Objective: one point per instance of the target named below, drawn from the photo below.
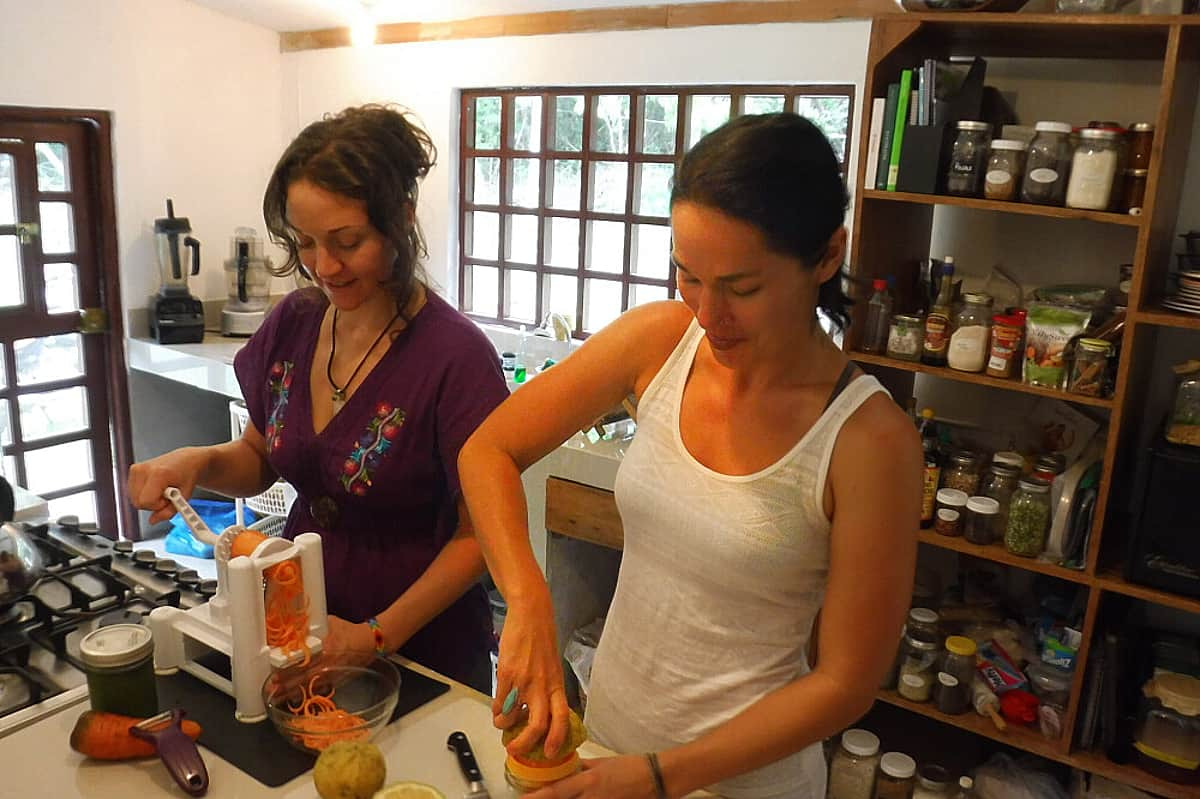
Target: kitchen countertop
(414, 747)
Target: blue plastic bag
(217, 514)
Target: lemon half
(408, 790)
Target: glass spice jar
(962, 473)
(1048, 164)
(981, 519)
(1089, 366)
(1049, 466)
(1028, 518)
(1133, 191)
(1005, 167)
(968, 349)
(918, 666)
(952, 693)
(1184, 427)
(933, 782)
(1141, 144)
(1168, 732)
(1000, 484)
(968, 159)
(1094, 169)
(119, 662)
(896, 772)
(853, 766)
(905, 337)
(951, 505)
(1005, 351)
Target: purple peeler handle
(178, 752)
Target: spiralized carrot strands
(321, 722)
(287, 609)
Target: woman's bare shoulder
(648, 334)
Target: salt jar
(852, 771)
(119, 662)
(970, 342)
(1094, 169)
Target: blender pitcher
(247, 282)
(169, 232)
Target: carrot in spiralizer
(287, 609)
(106, 736)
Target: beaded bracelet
(659, 786)
(377, 632)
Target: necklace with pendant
(339, 392)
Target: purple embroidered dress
(380, 482)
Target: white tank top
(720, 581)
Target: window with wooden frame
(564, 192)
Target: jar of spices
(1133, 191)
(1089, 367)
(905, 337)
(852, 769)
(1094, 169)
(896, 772)
(1048, 164)
(962, 474)
(918, 666)
(1000, 484)
(1005, 167)
(1141, 144)
(1010, 458)
(968, 159)
(951, 505)
(1049, 466)
(924, 623)
(933, 782)
(119, 662)
(968, 350)
(981, 520)
(952, 691)
(1028, 518)
(1005, 351)
(1184, 427)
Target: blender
(176, 317)
(248, 281)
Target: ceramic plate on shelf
(1182, 305)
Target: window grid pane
(581, 179)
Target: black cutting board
(258, 749)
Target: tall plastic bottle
(879, 318)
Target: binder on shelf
(901, 126)
(885, 141)
(878, 111)
(920, 162)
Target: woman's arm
(876, 511)
(236, 469)
(528, 425)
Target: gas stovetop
(89, 582)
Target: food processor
(248, 282)
(176, 317)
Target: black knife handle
(466, 757)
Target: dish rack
(272, 505)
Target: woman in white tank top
(768, 481)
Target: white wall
(427, 76)
(195, 98)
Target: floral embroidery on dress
(371, 447)
(280, 383)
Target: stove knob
(123, 548)
(69, 523)
(144, 558)
(166, 567)
(88, 528)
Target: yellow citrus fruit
(409, 790)
(349, 770)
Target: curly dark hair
(779, 173)
(373, 153)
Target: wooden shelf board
(1027, 209)
(1166, 318)
(1113, 581)
(1048, 19)
(1097, 763)
(1028, 739)
(998, 554)
(979, 379)
(1025, 738)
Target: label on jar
(969, 348)
(937, 333)
(903, 341)
(998, 176)
(932, 476)
(1043, 175)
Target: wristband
(377, 633)
(660, 787)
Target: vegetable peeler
(178, 752)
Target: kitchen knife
(458, 743)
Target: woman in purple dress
(361, 392)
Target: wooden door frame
(98, 127)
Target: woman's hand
(624, 777)
(529, 662)
(180, 468)
(345, 637)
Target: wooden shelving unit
(892, 233)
